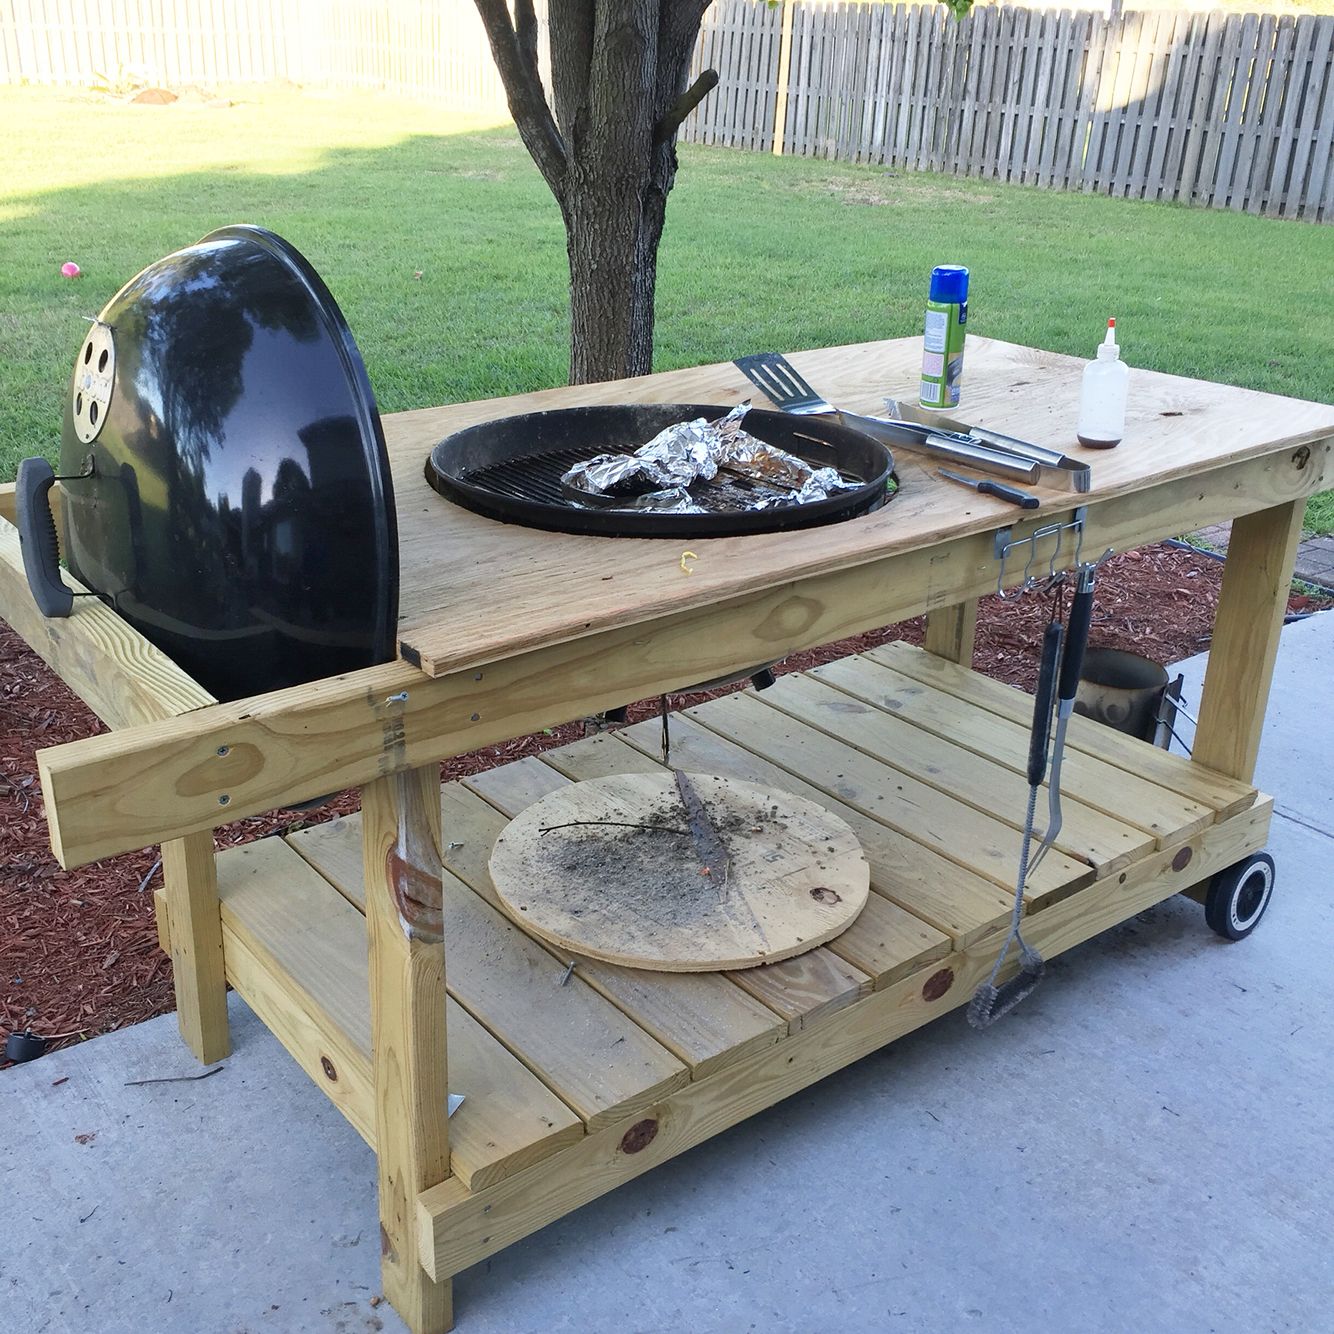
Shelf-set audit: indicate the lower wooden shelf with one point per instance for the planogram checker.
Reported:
(575, 1084)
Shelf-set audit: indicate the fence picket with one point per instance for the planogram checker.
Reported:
(1317, 200)
(1259, 142)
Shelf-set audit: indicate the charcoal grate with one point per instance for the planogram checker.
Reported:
(511, 469)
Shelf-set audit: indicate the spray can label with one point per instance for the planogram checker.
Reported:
(942, 353)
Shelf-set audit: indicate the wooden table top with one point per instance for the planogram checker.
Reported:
(474, 590)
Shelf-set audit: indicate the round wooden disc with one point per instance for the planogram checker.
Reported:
(580, 869)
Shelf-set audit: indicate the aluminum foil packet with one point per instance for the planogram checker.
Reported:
(658, 475)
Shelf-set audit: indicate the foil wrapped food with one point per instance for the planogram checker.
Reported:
(659, 474)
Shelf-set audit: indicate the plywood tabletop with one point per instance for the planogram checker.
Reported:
(474, 590)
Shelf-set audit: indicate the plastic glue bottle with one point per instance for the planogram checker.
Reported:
(942, 343)
(1102, 397)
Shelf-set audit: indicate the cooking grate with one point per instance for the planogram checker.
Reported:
(537, 477)
(511, 469)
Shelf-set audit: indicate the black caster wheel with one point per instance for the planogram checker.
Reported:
(1238, 897)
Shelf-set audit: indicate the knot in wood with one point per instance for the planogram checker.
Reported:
(640, 1135)
(1182, 859)
(937, 984)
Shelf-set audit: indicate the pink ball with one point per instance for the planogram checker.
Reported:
(70, 269)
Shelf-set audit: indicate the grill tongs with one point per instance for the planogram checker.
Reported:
(973, 446)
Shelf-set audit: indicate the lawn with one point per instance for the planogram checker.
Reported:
(445, 251)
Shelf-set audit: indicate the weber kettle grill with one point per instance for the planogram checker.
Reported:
(226, 488)
(224, 476)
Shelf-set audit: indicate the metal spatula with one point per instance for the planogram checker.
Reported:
(780, 381)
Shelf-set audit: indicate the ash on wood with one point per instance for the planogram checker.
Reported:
(609, 868)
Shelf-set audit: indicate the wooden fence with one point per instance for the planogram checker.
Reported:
(420, 48)
(1207, 108)
(1221, 109)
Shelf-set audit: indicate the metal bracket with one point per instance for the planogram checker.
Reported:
(1007, 544)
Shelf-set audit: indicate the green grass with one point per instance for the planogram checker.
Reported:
(760, 251)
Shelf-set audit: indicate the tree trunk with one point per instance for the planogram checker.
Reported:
(606, 146)
(612, 233)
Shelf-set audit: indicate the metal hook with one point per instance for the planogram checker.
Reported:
(1027, 581)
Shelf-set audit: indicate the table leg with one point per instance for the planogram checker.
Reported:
(1256, 578)
(194, 922)
(951, 631)
(404, 905)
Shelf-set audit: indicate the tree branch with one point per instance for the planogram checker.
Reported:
(525, 31)
(515, 54)
(684, 105)
(570, 23)
(678, 28)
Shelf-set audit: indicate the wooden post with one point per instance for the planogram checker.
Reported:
(780, 88)
(404, 918)
(190, 879)
(1256, 579)
(951, 632)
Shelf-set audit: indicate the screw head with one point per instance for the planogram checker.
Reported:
(225, 799)
(224, 750)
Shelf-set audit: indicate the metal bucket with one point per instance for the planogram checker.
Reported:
(1123, 691)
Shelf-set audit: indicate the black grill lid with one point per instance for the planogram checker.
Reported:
(511, 468)
(240, 512)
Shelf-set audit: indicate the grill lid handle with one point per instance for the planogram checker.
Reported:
(38, 540)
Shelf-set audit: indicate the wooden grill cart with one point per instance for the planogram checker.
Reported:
(337, 936)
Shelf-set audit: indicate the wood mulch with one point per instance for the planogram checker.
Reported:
(78, 949)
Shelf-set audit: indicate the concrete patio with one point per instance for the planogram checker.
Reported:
(1144, 1144)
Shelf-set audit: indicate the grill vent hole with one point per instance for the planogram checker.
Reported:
(92, 414)
(102, 360)
(87, 354)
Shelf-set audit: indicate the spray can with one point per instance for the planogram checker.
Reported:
(942, 343)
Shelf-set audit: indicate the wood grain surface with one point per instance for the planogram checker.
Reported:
(609, 868)
(560, 586)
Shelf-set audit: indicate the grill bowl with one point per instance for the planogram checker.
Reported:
(510, 469)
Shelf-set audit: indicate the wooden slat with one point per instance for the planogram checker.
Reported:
(782, 81)
(925, 885)
(458, 1228)
(1169, 118)
(978, 842)
(305, 971)
(885, 941)
(1191, 184)
(1308, 119)
(1154, 807)
(702, 1019)
(1087, 834)
(1193, 781)
(582, 1048)
(1321, 178)
(1294, 72)
(1225, 103)
(1273, 50)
